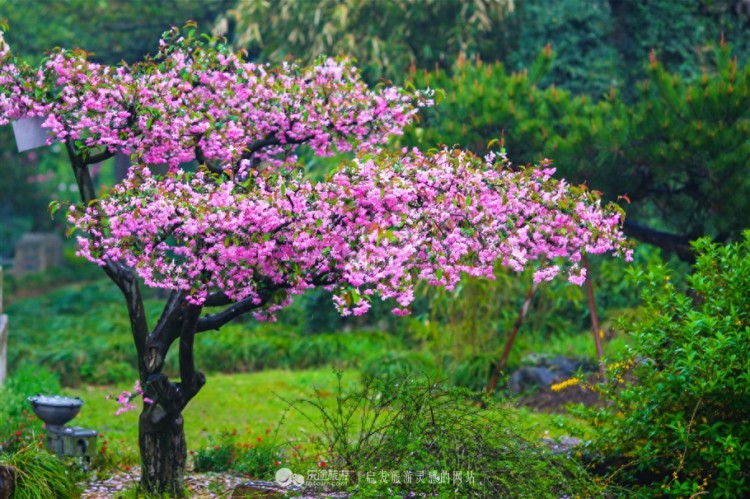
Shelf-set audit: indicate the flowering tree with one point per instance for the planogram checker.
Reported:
(244, 231)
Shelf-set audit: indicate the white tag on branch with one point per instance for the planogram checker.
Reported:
(29, 133)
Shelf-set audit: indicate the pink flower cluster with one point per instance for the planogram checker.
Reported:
(125, 399)
(249, 222)
(380, 223)
(194, 101)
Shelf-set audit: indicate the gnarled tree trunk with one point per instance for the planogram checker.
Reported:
(161, 438)
(161, 428)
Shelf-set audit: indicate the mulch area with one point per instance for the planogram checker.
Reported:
(199, 485)
(202, 486)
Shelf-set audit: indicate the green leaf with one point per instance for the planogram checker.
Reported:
(53, 207)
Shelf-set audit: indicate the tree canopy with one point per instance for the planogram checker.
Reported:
(245, 231)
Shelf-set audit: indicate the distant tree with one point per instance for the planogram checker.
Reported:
(383, 36)
(113, 30)
(685, 35)
(245, 232)
(605, 43)
(580, 32)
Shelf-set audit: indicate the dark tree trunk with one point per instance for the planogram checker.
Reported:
(161, 427)
(161, 438)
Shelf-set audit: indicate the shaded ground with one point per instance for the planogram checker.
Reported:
(203, 486)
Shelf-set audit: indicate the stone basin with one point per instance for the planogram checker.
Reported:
(55, 410)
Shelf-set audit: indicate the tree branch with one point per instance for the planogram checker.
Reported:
(256, 146)
(191, 380)
(271, 140)
(121, 275)
(218, 299)
(215, 321)
(81, 173)
(128, 284)
(98, 158)
(237, 309)
(671, 242)
(202, 160)
(171, 315)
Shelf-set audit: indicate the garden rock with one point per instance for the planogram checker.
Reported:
(528, 377)
(546, 372)
(562, 445)
(7, 482)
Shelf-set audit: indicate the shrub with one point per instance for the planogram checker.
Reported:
(677, 423)
(406, 435)
(40, 474)
(399, 363)
(84, 345)
(258, 458)
(18, 426)
(109, 459)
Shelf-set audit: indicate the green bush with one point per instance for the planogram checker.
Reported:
(61, 331)
(679, 399)
(258, 458)
(41, 475)
(409, 436)
(398, 363)
(18, 426)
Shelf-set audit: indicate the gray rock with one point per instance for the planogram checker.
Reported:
(529, 377)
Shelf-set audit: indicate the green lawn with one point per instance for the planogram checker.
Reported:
(250, 403)
(256, 405)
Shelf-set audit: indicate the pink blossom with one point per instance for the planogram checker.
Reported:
(373, 228)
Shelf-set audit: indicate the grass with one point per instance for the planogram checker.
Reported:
(256, 405)
(61, 329)
(250, 403)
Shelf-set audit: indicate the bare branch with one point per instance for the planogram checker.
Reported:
(191, 380)
(218, 299)
(256, 146)
(236, 309)
(98, 158)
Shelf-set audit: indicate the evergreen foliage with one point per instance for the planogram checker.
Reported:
(679, 152)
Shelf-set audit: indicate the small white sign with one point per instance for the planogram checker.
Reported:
(29, 133)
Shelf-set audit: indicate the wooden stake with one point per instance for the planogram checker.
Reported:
(495, 376)
(595, 328)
